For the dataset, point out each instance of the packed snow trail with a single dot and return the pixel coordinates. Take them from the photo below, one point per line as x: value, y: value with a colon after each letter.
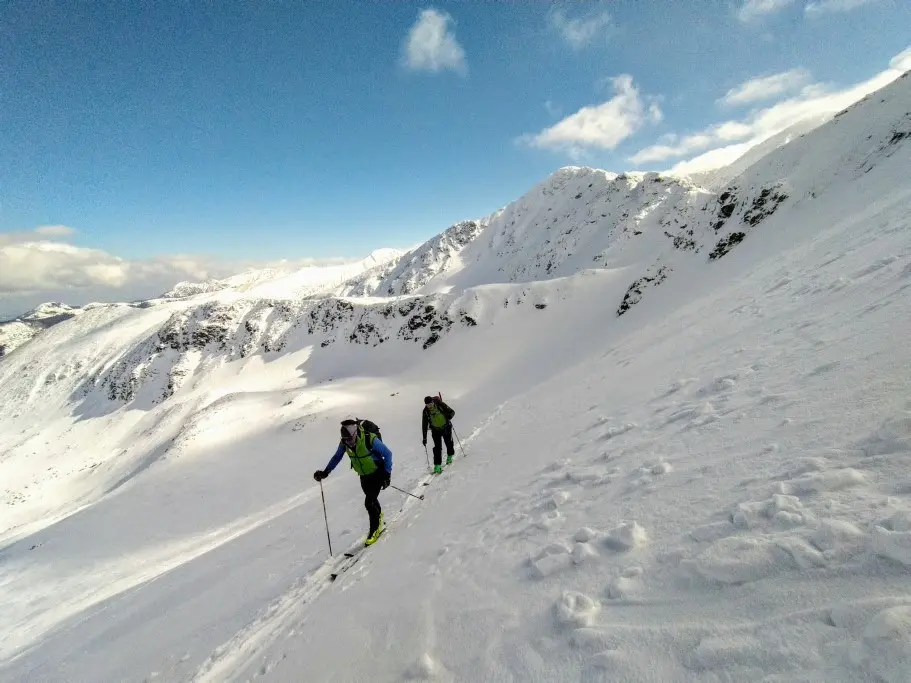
x: 283, y: 615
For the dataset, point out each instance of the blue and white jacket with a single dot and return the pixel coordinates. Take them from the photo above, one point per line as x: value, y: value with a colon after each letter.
x: 379, y: 451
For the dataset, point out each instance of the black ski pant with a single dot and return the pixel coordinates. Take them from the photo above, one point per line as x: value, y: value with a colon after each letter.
x: 371, y: 485
x: 444, y: 434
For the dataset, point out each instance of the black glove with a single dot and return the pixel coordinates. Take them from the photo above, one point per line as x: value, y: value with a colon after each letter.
x: 319, y: 475
x: 387, y: 479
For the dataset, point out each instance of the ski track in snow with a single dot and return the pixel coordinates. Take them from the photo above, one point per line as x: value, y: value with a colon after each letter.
x: 282, y: 619
x: 713, y: 487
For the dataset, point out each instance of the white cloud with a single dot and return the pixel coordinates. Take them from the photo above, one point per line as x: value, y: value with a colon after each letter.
x: 34, y: 269
x: 55, y: 231
x: 901, y: 61
x: 831, y: 6
x: 754, y: 9
x: 722, y: 143
x: 766, y: 87
x: 578, y: 32
x: 431, y: 44
x: 716, y: 158
x: 602, y: 126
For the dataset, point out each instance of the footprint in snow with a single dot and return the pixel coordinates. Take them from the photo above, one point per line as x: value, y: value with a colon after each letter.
x: 824, y: 368
x: 613, y: 665
x: 783, y: 282
x: 875, y: 267
x: 839, y: 540
x: 551, y: 559
x: 560, y: 555
x: 677, y: 386
x: 599, y: 422
x: 738, y: 560
x: 626, y: 537
x: 781, y: 509
x: 627, y: 586
x: 576, y: 609
x: 892, y: 437
x: 694, y: 415
x: 826, y: 480
x: 719, y: 385
x: 612, y: 432
x: 893, y: 543
x: 884, y: 645
x: 425, y: 668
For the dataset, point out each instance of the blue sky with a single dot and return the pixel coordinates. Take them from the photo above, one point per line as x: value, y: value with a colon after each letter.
x: 242, y: 132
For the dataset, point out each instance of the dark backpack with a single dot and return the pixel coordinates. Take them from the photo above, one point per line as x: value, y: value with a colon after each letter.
x: 370, y: 428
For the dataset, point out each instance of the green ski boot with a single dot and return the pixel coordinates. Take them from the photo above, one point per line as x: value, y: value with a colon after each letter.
x: 375, y: 536
x: 448, y: 459
x: 437, y: 469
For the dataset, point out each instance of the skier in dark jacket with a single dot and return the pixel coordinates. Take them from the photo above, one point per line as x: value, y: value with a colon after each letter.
x: 437, y: 416
x: 372, y: 460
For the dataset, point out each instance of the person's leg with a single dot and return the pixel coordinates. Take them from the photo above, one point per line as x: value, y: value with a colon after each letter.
x: 437, y: 447
x: 447, y: 436
x: 371, y: 485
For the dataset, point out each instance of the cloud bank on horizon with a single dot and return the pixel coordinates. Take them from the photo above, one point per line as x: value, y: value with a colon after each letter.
x: 43, y: 265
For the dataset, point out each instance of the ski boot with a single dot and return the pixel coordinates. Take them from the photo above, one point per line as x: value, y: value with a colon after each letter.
x: 375, y: 536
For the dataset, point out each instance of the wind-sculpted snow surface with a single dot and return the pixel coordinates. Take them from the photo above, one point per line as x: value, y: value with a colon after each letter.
x: 713, y: 486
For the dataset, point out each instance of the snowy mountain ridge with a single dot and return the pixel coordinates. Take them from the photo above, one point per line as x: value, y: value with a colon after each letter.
x: 291, y: 281
x: 18, y: 331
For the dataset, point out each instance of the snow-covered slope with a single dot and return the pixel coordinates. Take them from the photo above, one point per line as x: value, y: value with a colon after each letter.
x: 413, y: 270
x: 578, y: 219
x: 719, y: 177
x: 14, y: 333
x: 290, y: 282
x: 700, y: 482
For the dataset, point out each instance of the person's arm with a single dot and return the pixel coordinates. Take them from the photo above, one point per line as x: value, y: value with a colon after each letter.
x: 425, y: 423
x: 340, y: 451
x: 383, y: 450
x: 447, y: 411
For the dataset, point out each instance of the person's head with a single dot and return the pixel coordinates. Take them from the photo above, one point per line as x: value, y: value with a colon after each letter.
x: 349, y: 433
x: 428, y: 400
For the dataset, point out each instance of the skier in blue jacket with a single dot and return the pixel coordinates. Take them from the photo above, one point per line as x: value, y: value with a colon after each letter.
x: 372, y: 460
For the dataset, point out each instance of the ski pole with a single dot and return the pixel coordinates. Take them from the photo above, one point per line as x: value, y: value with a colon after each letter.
x: 458, y: 439
x: 427, y: 455
x: 326, y: 517
x: 420, y: 497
